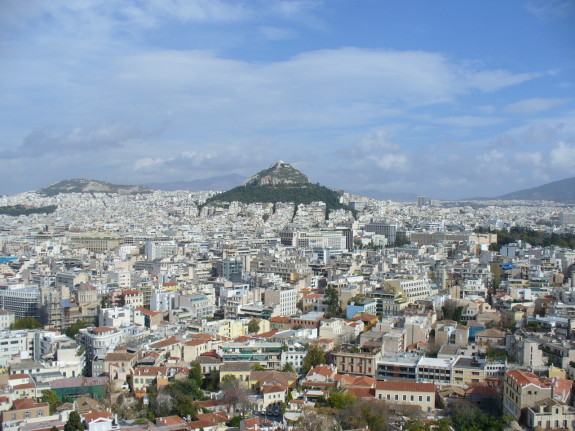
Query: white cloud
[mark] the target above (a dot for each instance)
(535, 105)
(563, 157)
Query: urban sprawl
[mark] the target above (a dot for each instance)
(158, 312)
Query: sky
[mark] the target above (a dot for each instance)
(448, 99)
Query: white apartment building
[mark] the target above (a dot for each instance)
(286, 298)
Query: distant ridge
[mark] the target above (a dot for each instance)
(222, 182)
(90, 186)
(281, 182)
(558, 191)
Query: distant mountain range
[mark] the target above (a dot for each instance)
(280, 183)
(223, 182)
(90, 186)
(558, 191)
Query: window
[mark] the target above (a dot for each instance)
(420, 398)
(27, 415)
(397, 398)
(405, 398)
(40, 413)
(428, 399)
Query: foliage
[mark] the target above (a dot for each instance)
(235, 421)
(196, 375)
(50, 397)
(74, 422)
(313, 421)
(451, 311)
(471, 418)
(417, 425)
(496, 354)
(236, 395)
(533, 237)
(254, 326)
(257, 367)
(289, 368)
(297, 193)
(26, 323)
(74, 329)
(340, 400)
(333, 302)
(213, 381)
(314, 356)
(372, 414)
(18, 210)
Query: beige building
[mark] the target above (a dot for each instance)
(24, 411)
(550, 414)
(466, 371)
(407, 393)
(353, 362)
(522, 390)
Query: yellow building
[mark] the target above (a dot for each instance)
(407, 393)
(466, 371)
(239, 370)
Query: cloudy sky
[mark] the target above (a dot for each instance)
(451, 99)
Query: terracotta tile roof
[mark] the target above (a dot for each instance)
(201, 336)
(268, 334)
(169, 420)
(25, 386)
(268, 389)
(26, 403)
(19, 376)
(280, 319)
(102, 329)
(150, 371)
(165, 343)
(89, 417)
(131, 292)
(524, 379)
(324, 370)
(148, 312)
(193, 343)
(119, 356)
(362, 392)
(399, 385)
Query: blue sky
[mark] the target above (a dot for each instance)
(450, 99)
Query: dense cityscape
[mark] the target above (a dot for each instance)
(175, 310)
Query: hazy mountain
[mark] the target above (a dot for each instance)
(559, 191)
(223, 182)
(384, 196)
(91, 186)
(280, 183)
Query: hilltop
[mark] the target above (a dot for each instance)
(280, 183)
(90, 186)
(558, 191)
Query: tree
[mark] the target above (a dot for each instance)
(340, 400)
(27, 323)
(74, 329)
(235, 394)
(364, 413)
(289, 368)
(311, 420)
(196, 375)
(50, 397)
(257, 367)
(74, 422)
(254, 326)
(314, 356)
(333, 302)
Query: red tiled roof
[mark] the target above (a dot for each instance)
(524, 379)
(102, 329)
(170, 420)
(399, 385)
(89, 417)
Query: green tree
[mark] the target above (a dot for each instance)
(196, 375)
(74, 329)
(314, 356)
(213, 381)
(340, 400)
(50, 397)
(27, 323)
(257, 367)
(254, 326)
(333, 302)
(74, 422)
(289, 368)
